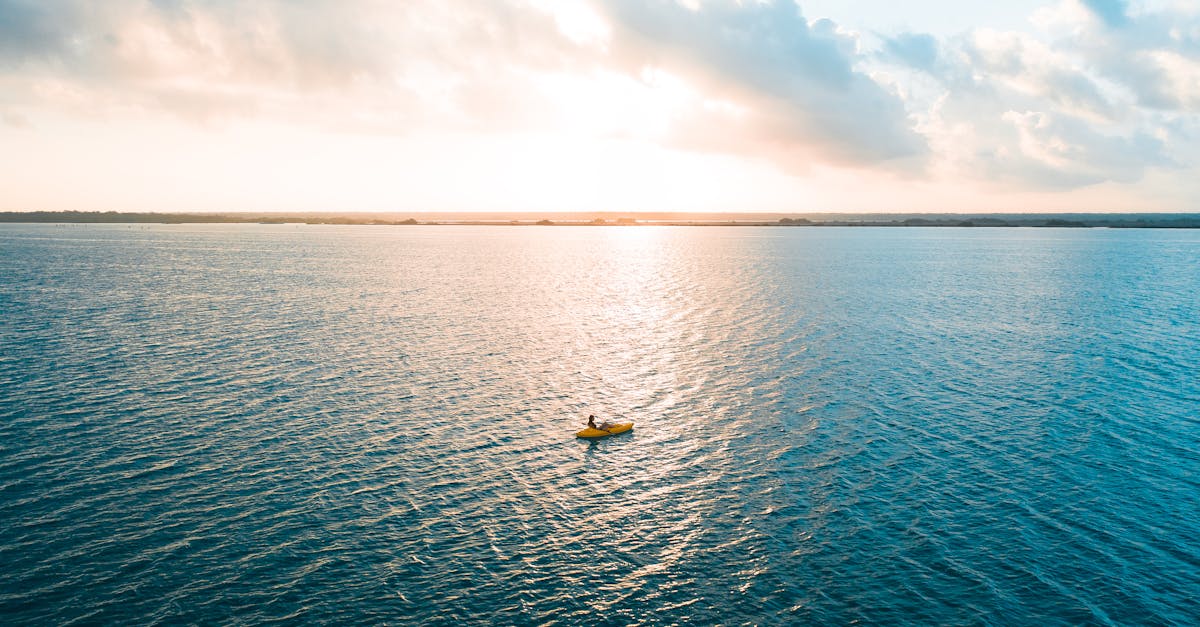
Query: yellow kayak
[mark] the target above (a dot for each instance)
(592, 434)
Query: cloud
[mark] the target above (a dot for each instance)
(1102, 94)
(193, 58)
(765, 81)
(1063, 152)
(792, 84)
(395, 65)
(31, 29)
(1111, 12)
(916, 50)
(1099, 94)
(1026, 64)
(1153, 55)
(310, 43)
(14, 119)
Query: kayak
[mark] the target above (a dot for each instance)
(593, 434)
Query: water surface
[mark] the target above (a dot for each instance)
(247, 423)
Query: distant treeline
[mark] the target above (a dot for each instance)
(120, 217)
(1081, 220)
(1122, 221)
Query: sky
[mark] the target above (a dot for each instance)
(600, 105)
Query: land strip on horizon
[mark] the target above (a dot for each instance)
(1083, 220)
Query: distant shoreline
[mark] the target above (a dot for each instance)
(1052, 220)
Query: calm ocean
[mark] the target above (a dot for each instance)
(332, 424)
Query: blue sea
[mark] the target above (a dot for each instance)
(244, 424)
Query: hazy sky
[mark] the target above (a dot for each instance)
(624, 105)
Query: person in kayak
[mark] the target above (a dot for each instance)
(604, 426)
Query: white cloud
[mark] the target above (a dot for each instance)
(795, 83)
(1150, 54)
(473, 63)
(1097, 95)
(1065, 152)
(399, 65)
